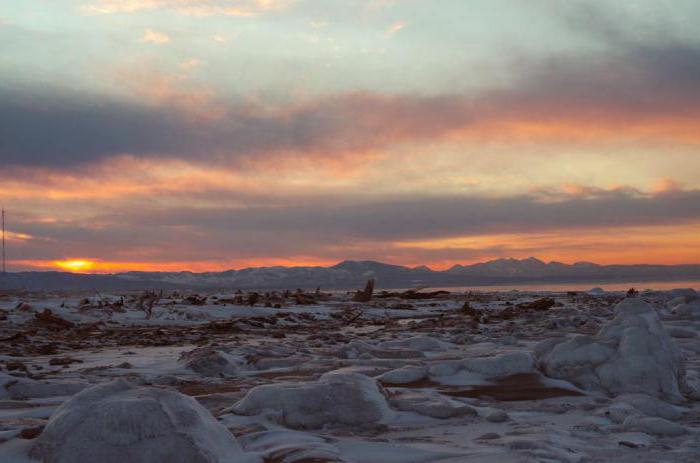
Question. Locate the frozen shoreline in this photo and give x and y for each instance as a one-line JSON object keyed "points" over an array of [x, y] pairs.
{"points": [[407, 379]]}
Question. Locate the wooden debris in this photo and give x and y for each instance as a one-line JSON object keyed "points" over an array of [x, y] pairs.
{"points": [[366, 294]]}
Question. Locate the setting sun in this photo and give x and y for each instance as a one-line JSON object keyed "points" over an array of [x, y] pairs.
{"points": [[75, 265]]}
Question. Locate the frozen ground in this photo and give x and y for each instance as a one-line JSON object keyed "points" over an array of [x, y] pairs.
{"points": [[316, 377]]}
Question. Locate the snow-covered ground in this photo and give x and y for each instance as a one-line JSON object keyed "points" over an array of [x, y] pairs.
{"points": [[315, 377]]}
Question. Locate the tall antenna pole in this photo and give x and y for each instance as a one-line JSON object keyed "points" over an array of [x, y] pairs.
{"points": [[4, 268]]}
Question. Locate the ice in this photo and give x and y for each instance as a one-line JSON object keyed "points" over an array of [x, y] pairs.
{"points": [[18, 388], [430, 404], [336, 398], [341, 381], [632, 353], [209, 361], [654, 426], [118, 422]]}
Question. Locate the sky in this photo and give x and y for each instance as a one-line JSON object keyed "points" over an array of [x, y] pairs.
{"points": [[213, 134]]}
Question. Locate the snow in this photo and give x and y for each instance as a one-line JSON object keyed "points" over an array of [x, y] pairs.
{"points": [[208, 361], [18, 388], [631, 353], [336, 398], [418, 384], [654, 426], [430, 404], [117, 422], [404, 375]]}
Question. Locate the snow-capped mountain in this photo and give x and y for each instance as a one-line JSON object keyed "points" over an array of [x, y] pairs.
{"points": [[352, 274]]}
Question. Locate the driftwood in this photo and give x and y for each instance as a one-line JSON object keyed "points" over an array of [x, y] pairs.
{"points": [[54, 321], [147, 300], [366, 294], [414, 294]]}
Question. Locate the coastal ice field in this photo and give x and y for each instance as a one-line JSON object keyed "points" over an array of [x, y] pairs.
{"points": [[311, 377]]}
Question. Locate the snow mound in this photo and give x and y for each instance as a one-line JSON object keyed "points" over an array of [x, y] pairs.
{"points": [[404, 375], [118, 422], [687, 309], [208, 361], [432, 404], [362, 350], [654, 426], [650, 406], [632, 353], [24, 388], [420, 343], [683, 292], [476, 369], [336, 398]]}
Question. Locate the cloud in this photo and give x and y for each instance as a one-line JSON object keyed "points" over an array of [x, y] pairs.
{"points": [[639, 91], [188, 7], [395, 28], [152, 36], [330, 227]]}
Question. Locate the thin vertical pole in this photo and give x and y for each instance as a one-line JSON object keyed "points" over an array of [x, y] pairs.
{"points": [[4, 268]]}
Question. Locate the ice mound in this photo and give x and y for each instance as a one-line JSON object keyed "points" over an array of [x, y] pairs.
{"points": [[336, 398], [208, 361], [420, 343], [24, 388], [118, 422], [498, 366], [654, 426], [362, 350], [690, 309], [632, 353], [405, 375], [650, 406], [432, 404], [463, 372]]}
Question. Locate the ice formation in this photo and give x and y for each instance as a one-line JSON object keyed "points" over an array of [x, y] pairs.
{"points": [[632, 353], [118, 422], [336, 398]]}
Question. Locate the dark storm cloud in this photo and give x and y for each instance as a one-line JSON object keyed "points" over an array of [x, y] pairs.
{"points": [[631, 83], [329, 227]]}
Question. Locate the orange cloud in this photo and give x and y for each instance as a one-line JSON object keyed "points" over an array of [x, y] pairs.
{"points": [[98, 266], [669, 245]]}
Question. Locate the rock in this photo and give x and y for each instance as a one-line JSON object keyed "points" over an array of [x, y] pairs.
{"points": [[336, 398], [632, 353], [31, 433], [432, 404], [654, 426], [118, 422]]}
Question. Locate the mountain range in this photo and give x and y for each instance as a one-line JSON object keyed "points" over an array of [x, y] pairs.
{"points": [[353, 274]]}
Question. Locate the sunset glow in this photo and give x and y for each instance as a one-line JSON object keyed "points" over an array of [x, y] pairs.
{"points": [[77, 266], [200, 143]]}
